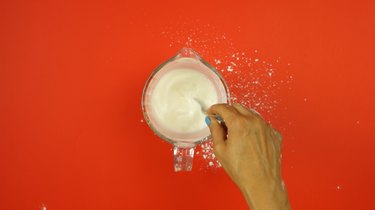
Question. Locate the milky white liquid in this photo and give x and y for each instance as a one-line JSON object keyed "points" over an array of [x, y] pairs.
{"points": [[173, 102]]}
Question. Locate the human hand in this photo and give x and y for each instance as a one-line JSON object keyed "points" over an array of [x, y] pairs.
{"points": [[249, 150]]}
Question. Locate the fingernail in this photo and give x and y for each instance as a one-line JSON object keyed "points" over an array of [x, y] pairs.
{"points": [[208, 121]]}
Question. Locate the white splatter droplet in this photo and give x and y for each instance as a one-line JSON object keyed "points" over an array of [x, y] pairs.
{"points": [[43, 207]]}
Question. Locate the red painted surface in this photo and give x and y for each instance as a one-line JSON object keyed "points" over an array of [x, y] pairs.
{"points": [[71, 77]]}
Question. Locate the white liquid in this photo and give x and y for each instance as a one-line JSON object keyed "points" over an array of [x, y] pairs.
{"points": [[174, 100]]}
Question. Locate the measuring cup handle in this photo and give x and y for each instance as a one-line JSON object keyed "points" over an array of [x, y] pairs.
{"points": [[183, 156]]}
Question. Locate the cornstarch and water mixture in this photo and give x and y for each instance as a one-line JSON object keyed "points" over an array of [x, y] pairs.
{"points": [[175, 100]]}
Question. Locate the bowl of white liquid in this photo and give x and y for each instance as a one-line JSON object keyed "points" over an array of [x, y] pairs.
{"points": [[173, 102]]}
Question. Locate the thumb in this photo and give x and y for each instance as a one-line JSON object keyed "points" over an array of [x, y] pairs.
{"points": [[218, 134]]}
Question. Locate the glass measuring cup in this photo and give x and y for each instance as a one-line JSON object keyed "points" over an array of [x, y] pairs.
{"points": [[184, 143]]}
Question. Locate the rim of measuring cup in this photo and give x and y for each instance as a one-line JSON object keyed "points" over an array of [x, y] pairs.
{"points": [[145, 87]]}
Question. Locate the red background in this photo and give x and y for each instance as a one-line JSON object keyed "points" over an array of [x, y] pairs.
{"points": [[71, 78]]}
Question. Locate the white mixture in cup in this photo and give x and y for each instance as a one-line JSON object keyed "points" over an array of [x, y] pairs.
{"points": [[174, 100]]}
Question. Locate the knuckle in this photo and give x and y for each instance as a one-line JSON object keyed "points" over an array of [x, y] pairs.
{"points": [[216, 106], [255, 112], [237, 105], [258, 122]]}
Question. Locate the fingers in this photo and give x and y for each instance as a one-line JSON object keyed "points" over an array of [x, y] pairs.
{"points": [[218, 134], [226, 111], [243, 110], [246, 111]]}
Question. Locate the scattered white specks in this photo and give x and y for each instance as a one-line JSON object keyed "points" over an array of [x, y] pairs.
{"points": [[250, 77], [208, 154]]}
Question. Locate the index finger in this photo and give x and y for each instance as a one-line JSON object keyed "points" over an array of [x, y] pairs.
{"points": [[226, 111]]}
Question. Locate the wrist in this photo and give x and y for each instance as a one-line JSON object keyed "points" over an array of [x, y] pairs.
{"points": [[266, 196]]}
